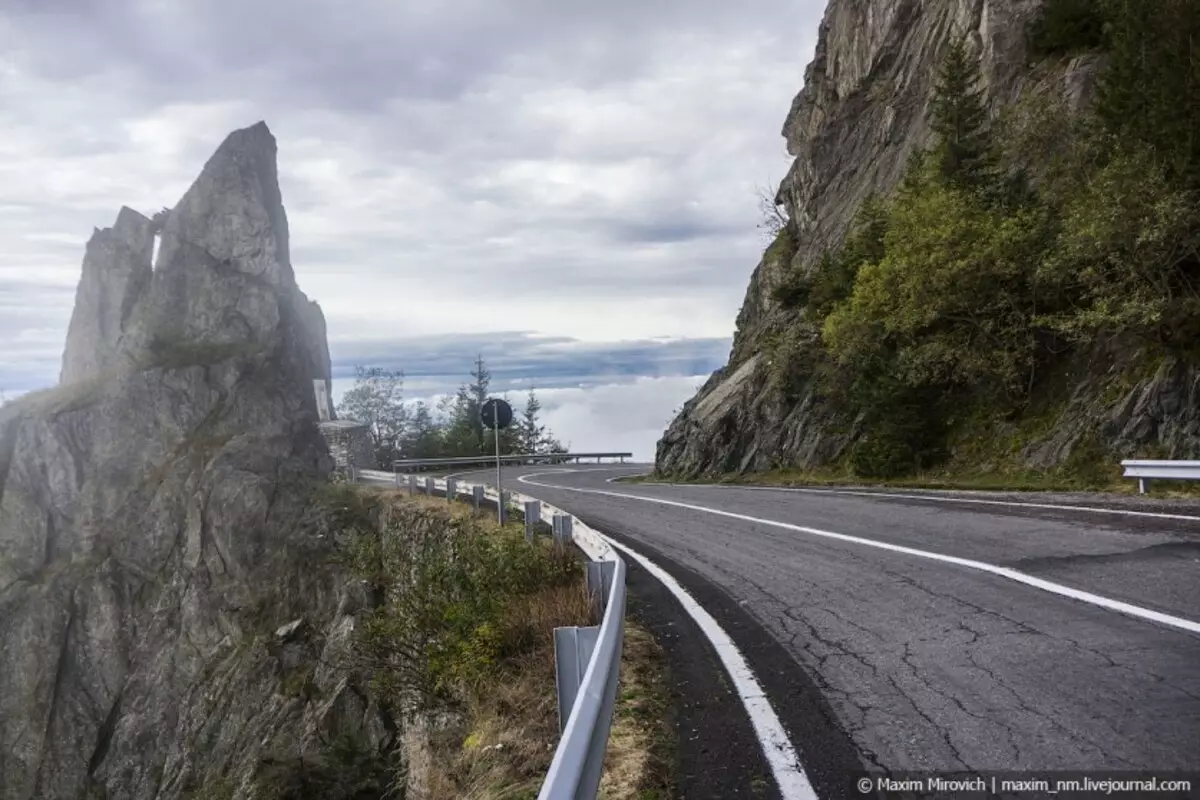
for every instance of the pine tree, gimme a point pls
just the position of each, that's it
(511, 439)
(421, 438)
(477, 393)
(1150, 91)
(533, 433)
(958, 116)
(461, 432)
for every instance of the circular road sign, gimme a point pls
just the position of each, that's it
(495, 413)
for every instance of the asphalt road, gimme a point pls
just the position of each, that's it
(933, 665)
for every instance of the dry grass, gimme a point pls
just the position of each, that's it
(995, 482)
(500, 741)
(461, 507)
(503, 747)
(505, 744)
(641, 745)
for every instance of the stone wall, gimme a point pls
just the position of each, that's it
(349, 444)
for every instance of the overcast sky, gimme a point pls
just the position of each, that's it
(567, 187)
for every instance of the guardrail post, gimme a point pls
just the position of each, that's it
(533, 514)
(572, 651)
(396, 478)
(477, 496)
(1141, 485)
(502, 498)
(412, 485)
(429, 487)
(451, 490)
(599, 582)
(562, 529)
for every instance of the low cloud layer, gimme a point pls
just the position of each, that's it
(626, 417)
(520, 360)
(461, 169)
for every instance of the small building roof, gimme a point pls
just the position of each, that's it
(341, 425)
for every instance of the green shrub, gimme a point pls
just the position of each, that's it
(972, 285)
(450, 586)
(1147, 92)
(1127, 257)
(346, 768)
(950, 297)
(832, 279)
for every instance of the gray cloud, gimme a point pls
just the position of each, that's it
(453, 171)
(518, 360)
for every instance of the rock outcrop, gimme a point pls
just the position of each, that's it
(155, 531)
(116, 271)
(861, 113)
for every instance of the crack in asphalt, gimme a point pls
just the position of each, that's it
(927, 666)
(1162, 550)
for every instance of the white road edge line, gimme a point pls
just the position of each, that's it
(1004, 572)
(933, 498)
(772, 737)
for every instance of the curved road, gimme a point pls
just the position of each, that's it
(931, 664)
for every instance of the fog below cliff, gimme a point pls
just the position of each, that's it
(608, 417)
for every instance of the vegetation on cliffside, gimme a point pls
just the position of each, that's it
(456, 645)
(1011, 247)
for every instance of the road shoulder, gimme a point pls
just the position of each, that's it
(717, 752)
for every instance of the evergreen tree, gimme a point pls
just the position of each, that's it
(958, 116)
(477, 395)
(1150, 91)
(1068, 26)
(511, 440)
(462, 431)
(421, 439)
(533, 433)
(452, 428)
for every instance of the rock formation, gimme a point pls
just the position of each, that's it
(852, 128)
(116, 270)
(159, 576)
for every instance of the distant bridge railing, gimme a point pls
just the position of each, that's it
(1164, 470)
(587, 660)
(403, 464)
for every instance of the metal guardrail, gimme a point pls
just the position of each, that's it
(587, 660)
(1164, 470)
(520, 458)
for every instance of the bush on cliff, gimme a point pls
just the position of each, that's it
(455, 593)
(974, 277)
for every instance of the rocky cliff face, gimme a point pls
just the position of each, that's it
(154, 515)
(116, 271)
(852, 128)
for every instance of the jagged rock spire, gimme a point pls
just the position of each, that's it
(116, 271)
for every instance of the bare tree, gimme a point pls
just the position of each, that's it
(773, 216)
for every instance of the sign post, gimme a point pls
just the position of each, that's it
(496, 414)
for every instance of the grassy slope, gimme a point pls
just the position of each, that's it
(502, 744)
